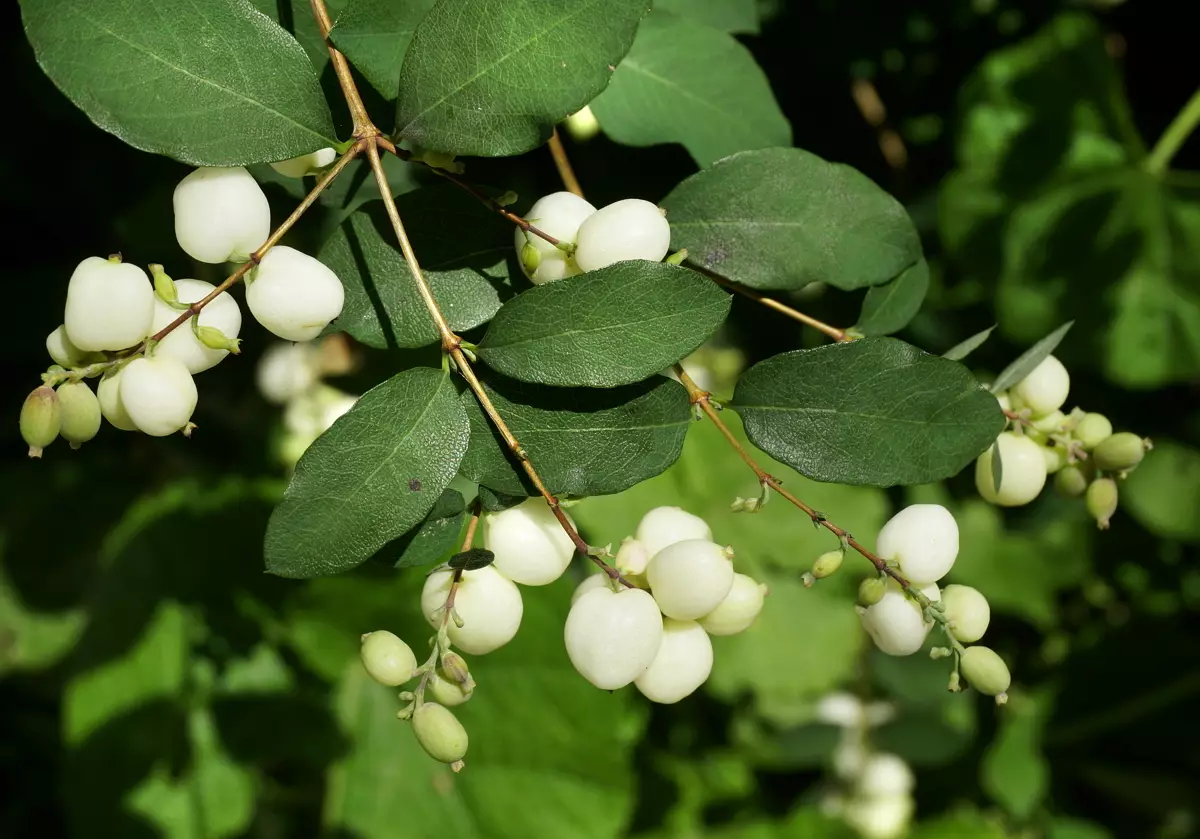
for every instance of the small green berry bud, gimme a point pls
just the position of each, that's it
(871, 591)
(215, 339)
(455, 668)
(1092, 430)
(530, 258)
(439, 732)
(967, 612)
(826, 564)
(439, 160)
(507, 199)
(447, 691)
(677, 258)
(1052, 423)
(387, 659)
(79, 413)
(40, 419)
(164, 286)
(1120, 452)
(1071, 481)
(1102, 500)
(985, 671)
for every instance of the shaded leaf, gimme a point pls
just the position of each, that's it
(784, 218)
(736, 16)
(437, 535)
(875, 411)
(686, 82)
(1015, 773)
(373, 475)
(375, 34)
(130, 65)
(1030, 359)
(473, 559)
(494, 502)
(888, 308)
(964, 348)
(1163, 493)
(491, 78)
(614, 326)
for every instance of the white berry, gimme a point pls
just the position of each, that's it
(967, 612)
(221, 215)
(110, 305)
(880, 817)
(884, 774)
(286, 370)
(626, 229)
(530, 545)
(664, 526)
(1045, 389)
(1022, 471)
(109, 394)
(923, 538)
(158, 394)
(558, 214)
(590, 582)
(387, 659)
(294, 295)
(632, 557)
(62, 351)
(896, 624)
(683, 663)
(488, 603)
(305, 164)
(612, 636)
(689, 579)
(738, 610)
(181, 343)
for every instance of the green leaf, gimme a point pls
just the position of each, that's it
(735, 16)
(492, 501)
(1028, 361)
(962, 823)
(464, 252)
(875, 411)
(31, 639)
(1015, 773)
(614, 326)
(1163, 493)
(172, 78)
(375, 34)
(685, 82)
(964, 348)
(889, 308)
(437, 535)
(582, 442)
(784, 218)
(539, 733)
(487, 80)
(370, 477)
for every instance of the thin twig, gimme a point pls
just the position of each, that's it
(832, 331)
(561, 162)
(363, 127)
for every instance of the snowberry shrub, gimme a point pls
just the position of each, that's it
(627, 229)
(221, 214)
(110, 306)
(531, 547)
(559, 215)
(294, 295)
(613, 636)
(488, 603)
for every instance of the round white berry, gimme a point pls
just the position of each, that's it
(880, 817)
(923, 539)
(558, 214)
(683, 663)
(590, 582)
(1022, 471)
(110, 305)
(530, 545)
(738, 610)
(1045, 389)
(632, 557)
(488, 603)
(626, 229)
(845, 710)
(689, 579)
(895, 623)
(286, 370)
(181, 343)
(967, 612)
(221, 215)
(62, 351)
(305, 164)
(612, 636)
(884, 774)
(387, 659)
(158, 394)
(664, 526)
(294, 295)
(79, 411)
(109, 394)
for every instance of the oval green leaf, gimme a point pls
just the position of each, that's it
(889, 308)
(371, 477)
(874, 412)
(488, 80)
(250, 92)
(784, 218)
(618, 325)
(375, 34)
(583, 442)
(1028, 361)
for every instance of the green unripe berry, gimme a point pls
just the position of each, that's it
(967, 612)
(1119, 453)
(80, 413)
(387, 659)
(1052, 423)
(1071, 481)
(1056, 458)
(1102, 500)
(826, 564)
(40, 419)
(1092, 430)
(985, 671)
(439, 732)
(531, 259)
(447, 691)
(871, 591)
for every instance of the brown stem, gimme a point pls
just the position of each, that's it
(469, 539)
(363, 127)
(832, 331)
(561, 162)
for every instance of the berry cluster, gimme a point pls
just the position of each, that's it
(1078, 448)
(121, 326)
(589, 239)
